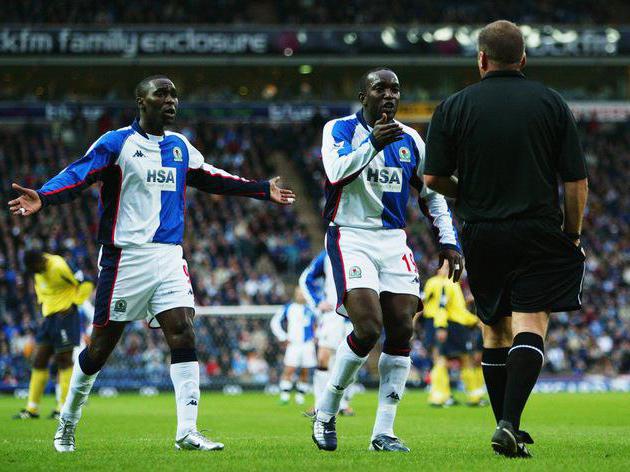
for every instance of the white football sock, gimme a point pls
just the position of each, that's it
(343, 373)
(393, 372)
(320, 378)
(185, 378)
(80, 387)
(302, 387)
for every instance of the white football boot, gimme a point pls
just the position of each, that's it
(64, 436)
(195, 441)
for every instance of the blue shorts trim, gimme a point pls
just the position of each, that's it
(333, 235)
(110, 260)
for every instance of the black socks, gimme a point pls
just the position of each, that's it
(494, 373)
(524, 361)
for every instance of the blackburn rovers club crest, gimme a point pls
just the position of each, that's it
(355, 272)
(120, 306)
(177, 154)
(404, 154)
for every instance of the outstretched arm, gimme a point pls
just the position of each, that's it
(210, 179)
(71, 181)
(28, 203)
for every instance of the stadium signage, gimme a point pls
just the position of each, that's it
(443, 41)
(415, 112)
(130, 43)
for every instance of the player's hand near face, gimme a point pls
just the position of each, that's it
(27, 203)
(455, 263)
(385, 133)
(281, 196)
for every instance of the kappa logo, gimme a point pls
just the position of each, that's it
(404, 154)
(192, 402)
(120, 306)
(355, 272)
(338, 145)
(138, 153)
(416, 280)
(394, 396)
(177, 154)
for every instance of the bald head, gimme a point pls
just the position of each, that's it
(502, 42)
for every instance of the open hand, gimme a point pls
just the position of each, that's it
(385, 133)
(281, 196)
(27, 203)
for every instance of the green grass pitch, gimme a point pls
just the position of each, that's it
(572, 432)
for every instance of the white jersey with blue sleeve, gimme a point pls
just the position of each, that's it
(293, 323)
(368, 188)
(144, 180)
(317, 282)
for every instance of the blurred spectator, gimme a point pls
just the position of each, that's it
(361, 12)
(243, 252)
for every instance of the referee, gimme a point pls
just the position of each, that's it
(510, 141)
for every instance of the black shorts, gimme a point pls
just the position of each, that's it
(458, 341)
(525, 266)
(61, 331)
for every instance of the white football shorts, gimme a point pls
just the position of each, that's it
(378, 259)
(331, 330)
(301, 355)
(138, 283)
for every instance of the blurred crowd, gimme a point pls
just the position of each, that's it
(241, 251)
(244, 252)
(359, 12)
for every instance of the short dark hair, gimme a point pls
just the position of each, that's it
(502, 41)
(363, 81)
(32, 259)
(143, 86)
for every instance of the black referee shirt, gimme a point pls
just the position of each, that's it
(509, 139)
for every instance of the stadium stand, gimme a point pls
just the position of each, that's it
(224, 236)
(358, 12)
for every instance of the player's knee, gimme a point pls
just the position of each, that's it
(182, 336)
(369, 332)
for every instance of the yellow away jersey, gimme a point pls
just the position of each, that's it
(57, 288)
(444, 301)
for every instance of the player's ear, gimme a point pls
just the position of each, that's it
(362, 96)
(140, 102)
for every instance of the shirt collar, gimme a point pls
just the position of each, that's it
(361, 119)
(504, 73)
(138, 129)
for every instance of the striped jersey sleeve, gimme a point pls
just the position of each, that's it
(70, 182)
(210, 179)
(310, 280)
